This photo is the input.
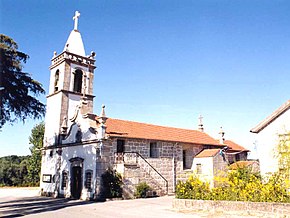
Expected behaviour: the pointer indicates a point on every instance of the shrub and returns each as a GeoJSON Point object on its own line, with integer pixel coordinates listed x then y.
{"type": "Point", "coordinates": [111, 184]}
{"type": "Point", "coordinates": [239, 185]}
{"type": "Point", "coordinates": [142, 189]}
{"type": "Point", "coordinates": [193, 188]}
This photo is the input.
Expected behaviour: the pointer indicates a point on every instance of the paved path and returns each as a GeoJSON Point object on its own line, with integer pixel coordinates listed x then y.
{"type": "Point", "coordinates": [25, 202]}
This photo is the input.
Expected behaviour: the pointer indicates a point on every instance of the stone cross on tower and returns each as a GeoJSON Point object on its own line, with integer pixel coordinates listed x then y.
{"type": "Point", "coordinates": [200, 125]}
{"type": "Point", "coordinates": [76, 19]}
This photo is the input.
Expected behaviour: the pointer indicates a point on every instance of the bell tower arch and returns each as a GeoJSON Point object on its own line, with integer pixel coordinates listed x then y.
{"type": "Point", "coordinates": [71, 81]}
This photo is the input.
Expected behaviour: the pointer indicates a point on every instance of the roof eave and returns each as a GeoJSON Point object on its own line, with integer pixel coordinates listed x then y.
{"type": "Point", "coordinates": [262, 125]}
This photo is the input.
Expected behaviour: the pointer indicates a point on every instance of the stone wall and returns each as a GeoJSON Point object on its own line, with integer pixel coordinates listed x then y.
{"type": "Point", "coordinates": [169, 163]}
{"type": "Point", "coordinates": [250, 208]}
{"type": "Point", "coordinates": [220, 167]}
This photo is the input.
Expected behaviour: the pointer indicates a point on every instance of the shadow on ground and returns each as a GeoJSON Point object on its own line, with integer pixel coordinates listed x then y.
{"type": "Point", "coordinates": [34, 205]}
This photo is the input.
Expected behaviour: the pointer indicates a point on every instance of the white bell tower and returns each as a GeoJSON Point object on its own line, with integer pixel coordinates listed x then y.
{"type": "Point", "coordinates": [71, 81]}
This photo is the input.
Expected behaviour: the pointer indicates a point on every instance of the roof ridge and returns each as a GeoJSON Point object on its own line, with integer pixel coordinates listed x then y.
{"type": "Point", "coordinates": [150, 124]}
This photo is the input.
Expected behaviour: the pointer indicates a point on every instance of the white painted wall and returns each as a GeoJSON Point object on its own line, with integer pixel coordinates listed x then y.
{"type": "Point", "coordinates": [52, 119]}
{"type": "Point", "coordinates": [207, 174]}
{"type": "Point", "coordinates": [49, 166]}
{"type": "Point", "coordinates": [267, 140]}
{"type": "Point", "coordinates": [87, 151]}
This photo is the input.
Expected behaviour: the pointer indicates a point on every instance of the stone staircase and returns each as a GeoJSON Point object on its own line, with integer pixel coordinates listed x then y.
{"type": "Point", "coordinates": [136, 169]}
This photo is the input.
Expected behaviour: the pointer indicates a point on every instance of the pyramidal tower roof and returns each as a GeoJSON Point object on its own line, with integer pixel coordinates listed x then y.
{"type": "Point", "coordinates": [74, 43]}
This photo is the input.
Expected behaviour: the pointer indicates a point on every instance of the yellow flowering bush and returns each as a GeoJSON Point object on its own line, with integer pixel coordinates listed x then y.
{"type": "Point", "coordinates": [239, 185]}
{"type": "Point", "coordinates": [193, 188]}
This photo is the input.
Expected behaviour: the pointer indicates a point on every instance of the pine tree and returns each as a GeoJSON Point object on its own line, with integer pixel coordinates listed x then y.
{"type": "Point", "coordinates": [18, 91]}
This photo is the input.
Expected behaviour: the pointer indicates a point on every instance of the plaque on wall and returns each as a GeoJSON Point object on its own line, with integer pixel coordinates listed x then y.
{"type": "Point", "coordinates": [46, 178]}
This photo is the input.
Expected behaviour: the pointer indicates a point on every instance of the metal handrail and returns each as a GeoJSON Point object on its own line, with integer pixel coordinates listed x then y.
{"type": "Point", "coordinates": [134, 152]}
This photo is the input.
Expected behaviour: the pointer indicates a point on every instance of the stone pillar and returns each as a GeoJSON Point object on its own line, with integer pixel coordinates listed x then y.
{"type": "Point", "coordinates": [101, 166]}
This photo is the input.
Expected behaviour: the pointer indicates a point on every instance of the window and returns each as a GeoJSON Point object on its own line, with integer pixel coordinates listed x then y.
{"type": "Point", "coordinates": [153, 150]}
{"type": "Point", "coordinates": [56, 80]}
{"type": "Point", "coordinates": [120, 145]}
{"type": "Point", "coordinates": [64, 180]}
{"type": "Point", "coordinates": [184, 158]}
{"type": "Point", "coordinates": [198, 169]}
{"type": "Point", "coordinates": [88, 181]}
{"type": "Point", "coordinates": [78, 81]}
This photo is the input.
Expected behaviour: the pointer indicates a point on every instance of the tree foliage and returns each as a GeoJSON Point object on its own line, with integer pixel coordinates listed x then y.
{"type": "Point", "coordinates": [34, 167]}
{"type": "Point", "coordinates": [111, 184]}
{"type": "Point", "coordinates": [24, 170]}
{"type": "Point", "coordinates": [18, 98]}
{"type": "Point", "coordinates": [13, 170]}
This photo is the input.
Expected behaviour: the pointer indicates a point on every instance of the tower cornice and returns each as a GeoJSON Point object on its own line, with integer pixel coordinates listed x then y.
{"type": "Point", "coordinates": [70, 92]}
{"type": "Point", "coordinates": [72, 58]}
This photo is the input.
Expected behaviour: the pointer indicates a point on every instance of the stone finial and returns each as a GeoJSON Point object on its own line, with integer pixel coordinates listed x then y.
{"type": "Point", "coordinates": [222, 134]}
{"type": "Point", "coordinates": [93, 54]}
{"type": "Point", "coordinates": [54, 54]}
{"type": "Point", "coordinates": [103, 114]}
{"type": "Point", "coordinates": [200, 125]}
{"type": "Point", "coordinates": [102, 120]}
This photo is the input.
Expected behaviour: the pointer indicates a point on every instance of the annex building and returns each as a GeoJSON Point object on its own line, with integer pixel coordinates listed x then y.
{"type": "Point", "coordinates": [79, 146]}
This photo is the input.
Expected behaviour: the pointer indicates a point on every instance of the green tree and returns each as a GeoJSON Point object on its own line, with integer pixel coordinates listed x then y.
{"type": "Point", "coordinates": [13, 170]}
{"type": "Point", "coordinates": [34, 167]}
{"type": "Point", "coordinates": [18, 91]}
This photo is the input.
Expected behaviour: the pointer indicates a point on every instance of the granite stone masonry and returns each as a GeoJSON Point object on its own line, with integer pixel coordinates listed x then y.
{"type": "Point", "coordinates": [264, 209]}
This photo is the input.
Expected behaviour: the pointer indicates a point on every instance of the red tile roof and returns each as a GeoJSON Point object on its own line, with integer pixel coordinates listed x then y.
{"type": "Point", "coordinates": [234, 146]}
{"type": "Point", "coordinates": [282, 109]}
{"type": "Point", "coordinates": [130, 129]}
{"type": "Point", "coordinates": [242, 164]}
{"type": "Point", "coordinates": [208, 153]}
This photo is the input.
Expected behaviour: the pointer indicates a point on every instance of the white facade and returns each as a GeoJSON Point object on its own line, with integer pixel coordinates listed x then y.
{"type": "Point", "coordinates": [206, 171]}
{"type": "Point", "coordinates": [209, 167]}
{"type": "Point", "coordinates": [267, 138]}
{"type": "Point", "coordinates": [72, 134]}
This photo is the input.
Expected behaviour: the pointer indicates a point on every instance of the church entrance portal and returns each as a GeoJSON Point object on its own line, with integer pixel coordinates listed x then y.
{"type": "Point", "coordinates": [76, 182]}
{"type": "Point", "coordinates": [76, 177]}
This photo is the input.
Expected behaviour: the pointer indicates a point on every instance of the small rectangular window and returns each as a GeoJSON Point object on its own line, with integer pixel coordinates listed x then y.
{"type": "Point", "coordinates": [88, 181]}
{"type": "Point", "coordinates": [184, 158]}
{"type": "Point", "coordinates": [120, 145]}
{"type": "Point", "coordinates": [64, 180]}
{"type": "Point", "coordinates": [198, 169]}
{"type": "Point", "coordinates": [153, 150]}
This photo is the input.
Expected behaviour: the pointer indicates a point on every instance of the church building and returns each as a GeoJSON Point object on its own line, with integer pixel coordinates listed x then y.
{"type": "Point", "coordinates": [79, 146]}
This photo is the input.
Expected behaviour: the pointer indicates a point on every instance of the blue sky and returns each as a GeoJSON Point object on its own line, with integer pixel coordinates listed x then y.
{"type": "Point", "coordinates": [164, 62]}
